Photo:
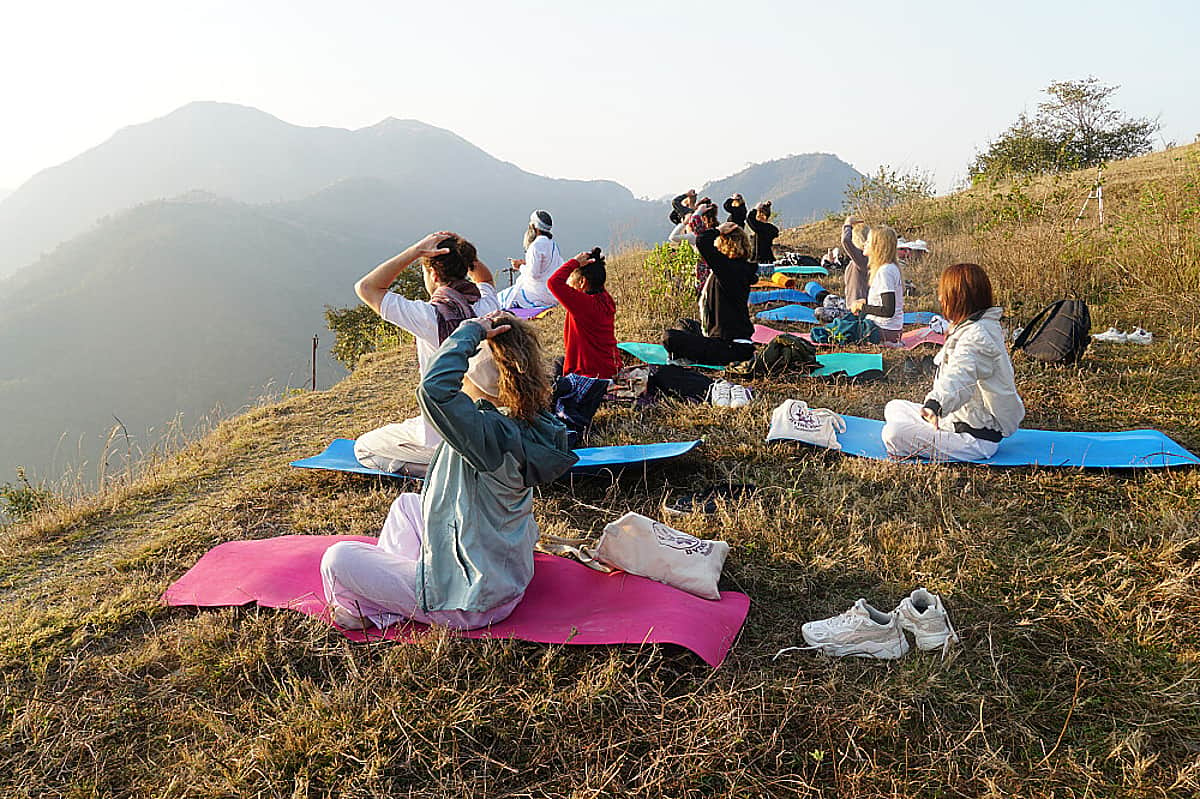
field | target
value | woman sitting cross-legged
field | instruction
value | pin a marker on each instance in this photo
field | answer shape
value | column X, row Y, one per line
column 588, row 337
column 884, row 304
column 974, row 403
column 461, row 552
column 724, row 302
column 460, row 287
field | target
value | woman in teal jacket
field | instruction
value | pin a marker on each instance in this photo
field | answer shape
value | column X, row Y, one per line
column 461, row 553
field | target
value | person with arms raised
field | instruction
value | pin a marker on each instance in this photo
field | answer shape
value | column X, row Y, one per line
column 974, row 404
column 588, row 336
column 854, row 238
column 460, row 287
column 461, row 552
column 764, row 233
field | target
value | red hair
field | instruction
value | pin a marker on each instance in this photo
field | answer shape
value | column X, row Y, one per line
column 964, row 290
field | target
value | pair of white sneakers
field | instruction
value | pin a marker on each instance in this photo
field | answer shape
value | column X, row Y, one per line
column 1138, row 335
column 866, row 631
column 724, row 394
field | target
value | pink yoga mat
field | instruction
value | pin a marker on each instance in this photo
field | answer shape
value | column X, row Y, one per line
column 910, row 340
column 567, row 603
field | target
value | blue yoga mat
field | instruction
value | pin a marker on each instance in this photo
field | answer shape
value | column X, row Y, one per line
column 918, row 318
column 801, row 270
column 848, row 363
column 655, row 354
column 1126, row 449
column 780, row 295
column 790, row 313
column 339, row 457
column 812, row 288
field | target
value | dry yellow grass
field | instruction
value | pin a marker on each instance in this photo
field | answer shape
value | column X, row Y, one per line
column 1075, row 593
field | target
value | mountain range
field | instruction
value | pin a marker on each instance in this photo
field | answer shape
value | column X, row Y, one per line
column 186, row 262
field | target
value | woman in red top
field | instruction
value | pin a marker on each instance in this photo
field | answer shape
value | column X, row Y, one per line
column 588, row 335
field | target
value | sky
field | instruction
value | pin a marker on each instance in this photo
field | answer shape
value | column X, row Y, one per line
column 659, row 96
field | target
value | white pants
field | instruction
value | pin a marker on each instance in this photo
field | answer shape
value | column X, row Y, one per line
column 379, row 582
column 389, row 447
column 519, row 296
column 906, row 434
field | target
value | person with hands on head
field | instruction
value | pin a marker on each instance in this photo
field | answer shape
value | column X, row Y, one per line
column 542, row 257
column 682, row 206
column 461, row 552
column 884, row 303
column 854, row 238
column 726, row 309
column 588, row 331
column 974, row 404
column 735, row 206
column 460, row 287
column 764, row 233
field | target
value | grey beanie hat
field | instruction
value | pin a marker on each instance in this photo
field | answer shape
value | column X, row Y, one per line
column 541, row 220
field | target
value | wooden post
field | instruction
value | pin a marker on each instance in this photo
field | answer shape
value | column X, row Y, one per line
column 314, row 362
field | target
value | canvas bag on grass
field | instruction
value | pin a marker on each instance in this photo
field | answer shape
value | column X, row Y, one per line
column 796, row 421
column 640, row 545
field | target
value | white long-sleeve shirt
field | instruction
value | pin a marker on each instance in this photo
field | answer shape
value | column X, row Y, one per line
column 542, row 259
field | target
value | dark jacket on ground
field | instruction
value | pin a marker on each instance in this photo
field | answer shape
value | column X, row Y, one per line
column 726, row 301
column 764, row 238
column 737, row 213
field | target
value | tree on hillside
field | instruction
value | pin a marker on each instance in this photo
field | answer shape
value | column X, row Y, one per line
column 886, row 188
column 1073, row 129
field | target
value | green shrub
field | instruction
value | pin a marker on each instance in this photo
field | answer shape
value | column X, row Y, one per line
column 22, row 499
column 359, row 330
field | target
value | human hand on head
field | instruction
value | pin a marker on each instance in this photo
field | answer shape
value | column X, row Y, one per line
column 428, row 246
column 853, row 220
column 489, row 323
column 584, row 258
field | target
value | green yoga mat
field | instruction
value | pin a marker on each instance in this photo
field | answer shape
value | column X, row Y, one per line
column 655, row 354
column 848, row 363
column 832, row 363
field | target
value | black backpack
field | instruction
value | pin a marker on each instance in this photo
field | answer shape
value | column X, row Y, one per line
column 678, row 382
column 1058, row 334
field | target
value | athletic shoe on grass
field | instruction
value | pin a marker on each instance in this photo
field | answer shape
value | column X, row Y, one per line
column 1111, row 336
column 1139, row 336
column 923, row 614
column 720, row 393
column 739, row 396
column 862, row 631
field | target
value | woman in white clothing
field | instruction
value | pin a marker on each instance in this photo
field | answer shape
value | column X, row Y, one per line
column 542, row 259
column 884, row 304
column 460, row 287
column 974, row 404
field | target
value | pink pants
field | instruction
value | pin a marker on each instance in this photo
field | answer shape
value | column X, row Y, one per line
column 379, row 582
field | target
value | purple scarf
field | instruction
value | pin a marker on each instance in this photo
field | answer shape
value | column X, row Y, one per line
column 453, row 305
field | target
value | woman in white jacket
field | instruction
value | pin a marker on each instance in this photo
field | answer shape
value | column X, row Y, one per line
column 542, row 259
column 974, row 404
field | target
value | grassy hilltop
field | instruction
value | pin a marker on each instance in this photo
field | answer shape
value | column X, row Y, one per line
column 1076, row 594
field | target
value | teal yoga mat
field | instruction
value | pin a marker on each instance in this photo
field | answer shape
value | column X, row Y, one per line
column 850, row 364
column 801, row 270
column 655, row 354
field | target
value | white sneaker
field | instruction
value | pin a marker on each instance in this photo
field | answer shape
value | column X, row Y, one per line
column 1139, row 336
column 1111, row 336
column 1017, row 331
column 924, row 615
column 720, row 393
column 739, row 396
column 862, row 631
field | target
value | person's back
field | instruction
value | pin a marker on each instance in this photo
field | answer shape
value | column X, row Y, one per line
column 726, row 300
column 542, row 258
column 589, row 337
column 764, row 233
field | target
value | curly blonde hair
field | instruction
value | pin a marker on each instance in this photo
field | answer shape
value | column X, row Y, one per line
column 524, row 384
column 735, row 244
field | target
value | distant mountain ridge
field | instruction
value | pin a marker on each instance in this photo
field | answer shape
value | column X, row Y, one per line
column 800, row 187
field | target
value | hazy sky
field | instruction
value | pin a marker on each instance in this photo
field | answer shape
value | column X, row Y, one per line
column 657, row 95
